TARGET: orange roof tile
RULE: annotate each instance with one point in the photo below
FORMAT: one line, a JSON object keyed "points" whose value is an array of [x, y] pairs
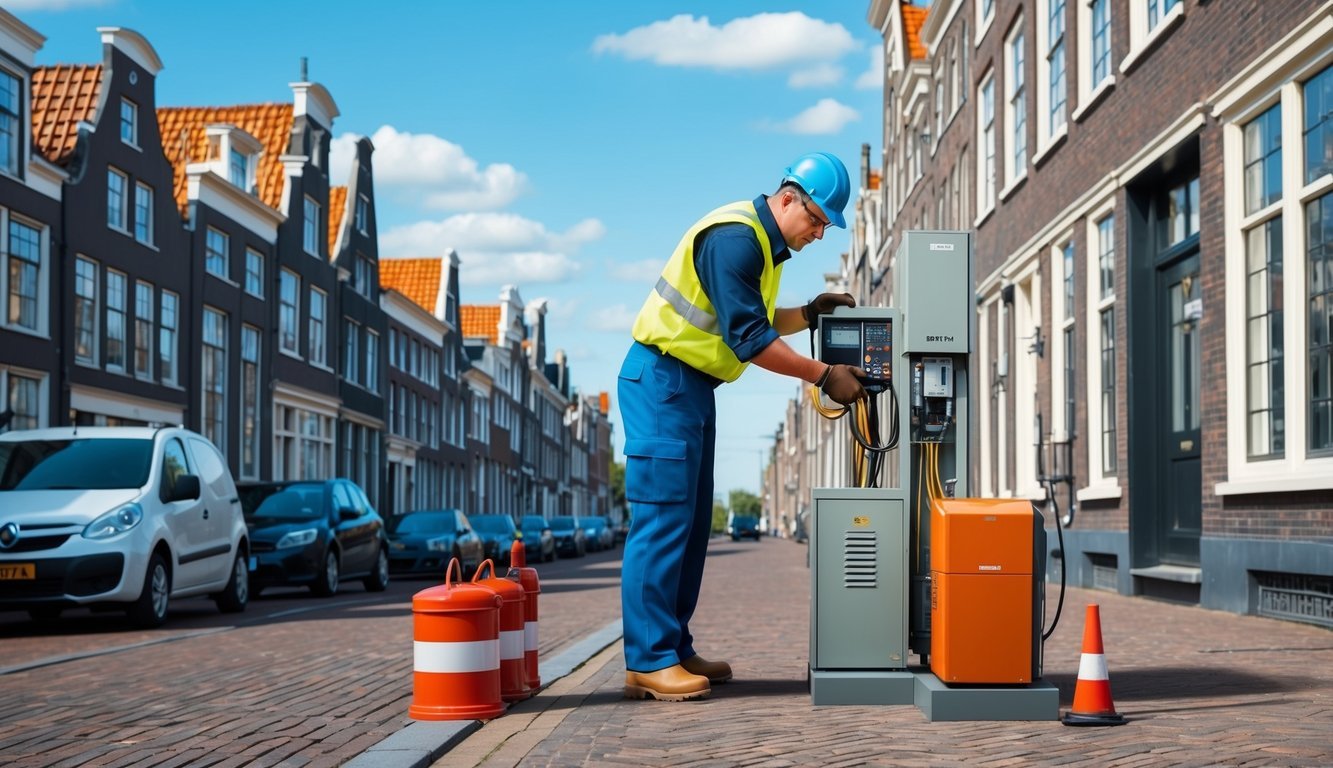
{"points": [[62, 96], [874, 180], [184, 141], [417, 279], [480, 321], [337, 210], [913, 19]]}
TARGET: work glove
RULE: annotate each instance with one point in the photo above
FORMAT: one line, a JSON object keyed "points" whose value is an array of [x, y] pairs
{"points": [[841, 384], [824, 304]]}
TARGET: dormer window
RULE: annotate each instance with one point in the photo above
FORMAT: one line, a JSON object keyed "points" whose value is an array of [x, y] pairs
{"points": [[233, 154]]}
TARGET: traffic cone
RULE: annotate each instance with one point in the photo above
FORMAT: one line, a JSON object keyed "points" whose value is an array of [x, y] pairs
{"points": [[1092, 693]]}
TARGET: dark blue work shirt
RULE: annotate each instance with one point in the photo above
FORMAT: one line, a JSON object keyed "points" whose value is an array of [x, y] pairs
{"points": [[729, 262]]}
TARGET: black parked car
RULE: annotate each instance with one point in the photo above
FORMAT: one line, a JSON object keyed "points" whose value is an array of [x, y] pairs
{"points": [[313, 533], [570, 540], [423, 542], [498, 533], [744, 527], [538, 541]]}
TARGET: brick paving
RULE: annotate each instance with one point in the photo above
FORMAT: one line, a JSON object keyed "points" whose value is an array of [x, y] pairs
{"points": [[1199, 688]]}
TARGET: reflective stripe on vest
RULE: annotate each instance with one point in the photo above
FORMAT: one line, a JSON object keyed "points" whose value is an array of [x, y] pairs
{"points": [[678, 318]]}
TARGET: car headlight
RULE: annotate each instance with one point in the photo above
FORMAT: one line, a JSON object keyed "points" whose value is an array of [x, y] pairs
{"points": [[115, 522], [438, 545], [295, 539]]}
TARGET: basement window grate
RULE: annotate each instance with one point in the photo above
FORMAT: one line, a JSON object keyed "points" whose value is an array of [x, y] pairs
{"points": [[1296, 597], [860, 559], [1105, 572]]}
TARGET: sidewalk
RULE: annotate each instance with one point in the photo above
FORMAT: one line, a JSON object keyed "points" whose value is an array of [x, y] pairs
{"points": [[1198, 688]]}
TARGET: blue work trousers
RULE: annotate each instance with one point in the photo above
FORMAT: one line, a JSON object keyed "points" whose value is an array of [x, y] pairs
{"points": [[670, 428]]}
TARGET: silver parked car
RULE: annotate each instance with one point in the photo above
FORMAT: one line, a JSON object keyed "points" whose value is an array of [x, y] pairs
{"points": [[126, 516]]}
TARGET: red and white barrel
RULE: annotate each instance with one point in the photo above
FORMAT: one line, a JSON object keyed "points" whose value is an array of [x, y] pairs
{"points": [[456, 652], [527, 577], [513, 683]]}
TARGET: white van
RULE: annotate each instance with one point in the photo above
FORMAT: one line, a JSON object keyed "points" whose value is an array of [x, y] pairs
{"points": [[122, 516]]}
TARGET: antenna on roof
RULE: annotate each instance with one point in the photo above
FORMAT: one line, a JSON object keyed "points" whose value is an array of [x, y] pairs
{"points": [[304, 77]]}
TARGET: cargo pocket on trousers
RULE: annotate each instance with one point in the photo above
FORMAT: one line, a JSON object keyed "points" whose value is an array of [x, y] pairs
{"points": [[655, 471]]}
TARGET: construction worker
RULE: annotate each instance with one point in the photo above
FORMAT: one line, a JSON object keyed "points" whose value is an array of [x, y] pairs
{"points": [[713, 311]]}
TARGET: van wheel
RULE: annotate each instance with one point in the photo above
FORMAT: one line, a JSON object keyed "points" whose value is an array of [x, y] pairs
{"points": [[326, 583], [233, 597], [150, 610], [378, 580]]}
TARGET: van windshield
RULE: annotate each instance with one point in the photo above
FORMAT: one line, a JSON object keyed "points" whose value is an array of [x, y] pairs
{"points": [[77, 464]]}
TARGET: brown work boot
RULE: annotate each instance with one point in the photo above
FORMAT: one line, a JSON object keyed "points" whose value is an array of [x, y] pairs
{"points": [[715, 671], [670, 684]]}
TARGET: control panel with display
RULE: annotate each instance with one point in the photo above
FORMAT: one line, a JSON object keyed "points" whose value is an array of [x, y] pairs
{"points": [[866, 343]]}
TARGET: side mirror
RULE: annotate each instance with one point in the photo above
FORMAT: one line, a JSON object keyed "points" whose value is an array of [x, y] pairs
{"points": [[186, 488], [347, 513]]}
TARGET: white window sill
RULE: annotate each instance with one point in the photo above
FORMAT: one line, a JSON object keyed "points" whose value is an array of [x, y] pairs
{"points": [[1091, 100], [291, 354], [981, 217], [983, 28], [36, 333], [1276, 484], [1054, 141], [1013, 186], [1098, 493], [150, 246], [1173, 19], [222, 279]]}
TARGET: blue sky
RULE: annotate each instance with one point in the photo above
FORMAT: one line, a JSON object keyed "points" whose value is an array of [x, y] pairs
{"points": [[559, 146]]}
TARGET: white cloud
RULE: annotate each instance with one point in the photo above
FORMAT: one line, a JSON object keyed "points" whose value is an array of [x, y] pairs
{"points": [[427, 171], [762, 41], [828, 116], [614, 318], [496, 248], [873, 77], [817, 76], [645, 271]]}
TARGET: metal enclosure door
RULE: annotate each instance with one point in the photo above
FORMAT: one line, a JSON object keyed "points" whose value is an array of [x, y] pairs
{"points": [[1179, 475], [860, 570]]}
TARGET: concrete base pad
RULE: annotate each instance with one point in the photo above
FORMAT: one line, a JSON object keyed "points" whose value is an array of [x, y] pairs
{"points": [[937, 701]]}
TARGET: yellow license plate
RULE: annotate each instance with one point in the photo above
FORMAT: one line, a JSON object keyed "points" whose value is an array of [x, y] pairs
{"points": [[14, 571]]}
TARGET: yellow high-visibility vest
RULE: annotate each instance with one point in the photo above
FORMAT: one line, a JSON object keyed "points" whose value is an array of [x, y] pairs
{"points": [[678, 318]]}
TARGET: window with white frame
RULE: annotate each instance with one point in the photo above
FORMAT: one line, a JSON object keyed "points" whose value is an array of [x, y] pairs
{"points": [[117, 209], [143, 330], [1149, 20], [954, 78], [1099, 29], [143, 213], [115, 320], [316, 326], [25, 275], [351, 351], [238, 168], [1102, 370], [985, 17], [254, 272], [1051, 81], [250, 347], [302, 443], [1016, 116], [986, 144], [168, 336], [85, 310], [1158, 9], [217, 245], [1063, 396], [129, 122], [213, 361], [372, 361], [310, 227], [24, 395], [364, 277], [361, 218], [13, 118], [289, 311]]}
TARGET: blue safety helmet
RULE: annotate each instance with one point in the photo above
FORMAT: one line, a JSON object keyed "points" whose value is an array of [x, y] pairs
{"points": [[824, 178]]}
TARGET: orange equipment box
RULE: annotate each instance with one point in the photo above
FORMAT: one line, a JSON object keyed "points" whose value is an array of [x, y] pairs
{"points": [[982, 595]]}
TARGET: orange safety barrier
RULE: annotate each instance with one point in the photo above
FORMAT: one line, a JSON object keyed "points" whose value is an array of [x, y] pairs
{"points": [[1092, 693], [526, 576], [513, 683], [456, 651]]}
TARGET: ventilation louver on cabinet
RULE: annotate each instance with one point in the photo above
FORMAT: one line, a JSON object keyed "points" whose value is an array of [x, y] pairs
{"points": [[860, 555]]}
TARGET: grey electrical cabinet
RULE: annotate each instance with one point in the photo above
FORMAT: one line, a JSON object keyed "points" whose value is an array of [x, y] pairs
{"points": [[859, 579], [936, 266]]}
